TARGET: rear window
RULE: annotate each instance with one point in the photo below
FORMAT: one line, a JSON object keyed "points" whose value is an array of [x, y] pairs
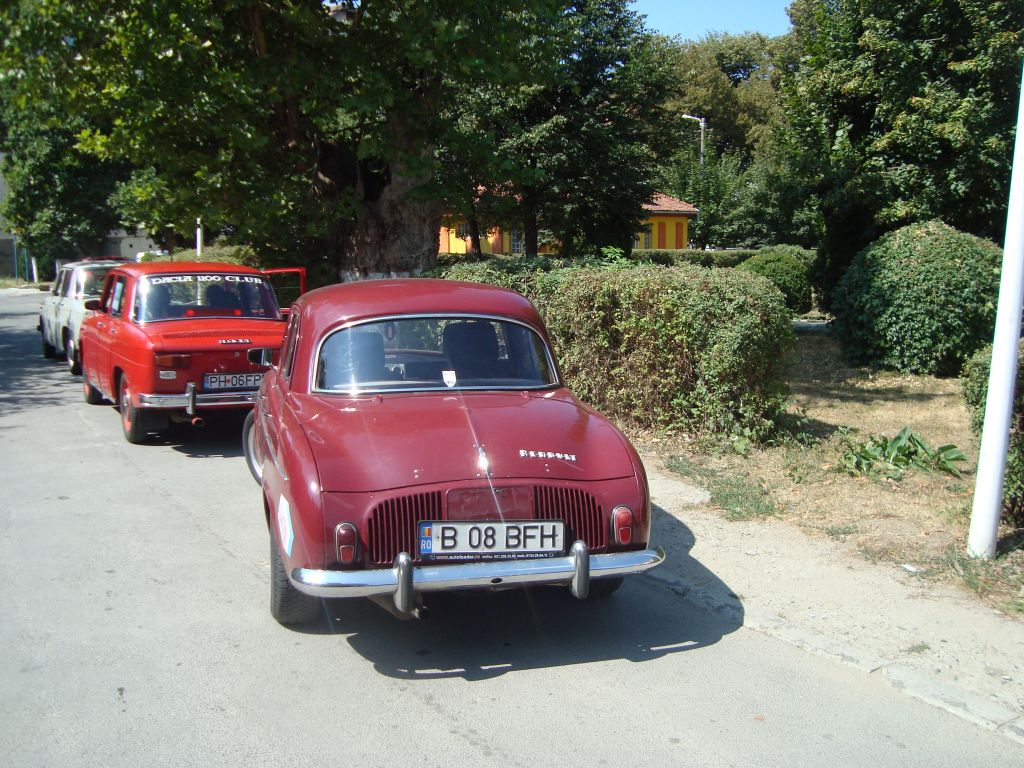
{"points": [[429, 353], [199, 295]]}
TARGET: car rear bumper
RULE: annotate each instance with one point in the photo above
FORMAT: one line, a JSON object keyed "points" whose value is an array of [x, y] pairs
{"points": [[404, 580], [190, 400]]}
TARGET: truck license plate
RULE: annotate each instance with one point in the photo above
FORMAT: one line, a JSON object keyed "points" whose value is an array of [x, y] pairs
{"points": [[491, 540], [232, 381]]}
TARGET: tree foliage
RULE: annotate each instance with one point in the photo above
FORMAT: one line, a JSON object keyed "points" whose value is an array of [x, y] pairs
{"points": [[300, 129], [902, 112], [577, 151]]}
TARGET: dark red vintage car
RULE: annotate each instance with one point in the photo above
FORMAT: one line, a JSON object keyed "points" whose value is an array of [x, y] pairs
{"points": [[417, 436], [170, 340]]}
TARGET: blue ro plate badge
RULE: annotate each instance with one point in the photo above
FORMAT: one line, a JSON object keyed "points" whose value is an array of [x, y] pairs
{"points": [[490, 540]]}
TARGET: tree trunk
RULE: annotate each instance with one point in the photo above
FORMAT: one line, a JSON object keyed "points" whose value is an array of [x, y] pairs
{"points": [[474, 234], [530, 222], [396, 231]]}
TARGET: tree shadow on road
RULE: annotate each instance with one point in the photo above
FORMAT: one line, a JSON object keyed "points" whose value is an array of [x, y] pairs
{"points": [[480, 635]]}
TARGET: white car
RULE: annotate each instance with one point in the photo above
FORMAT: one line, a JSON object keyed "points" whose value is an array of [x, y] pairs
{"points": [[61, 313]]}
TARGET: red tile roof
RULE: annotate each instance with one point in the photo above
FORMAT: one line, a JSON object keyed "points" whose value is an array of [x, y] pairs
{"points": [[665, 204]]}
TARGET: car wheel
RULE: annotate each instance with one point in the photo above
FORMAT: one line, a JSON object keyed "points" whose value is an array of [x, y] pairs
{"points": [[49, 351], [287, 604], [249, 446], [74, 363], [132, 418], [604, 587], [92, 395]]}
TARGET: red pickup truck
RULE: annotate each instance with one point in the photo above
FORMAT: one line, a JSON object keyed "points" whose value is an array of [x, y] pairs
{"points": [[170, 340]]}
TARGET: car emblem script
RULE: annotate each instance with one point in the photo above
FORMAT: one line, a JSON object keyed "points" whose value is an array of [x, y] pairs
{"points": [[546, 455], [235, 341]]}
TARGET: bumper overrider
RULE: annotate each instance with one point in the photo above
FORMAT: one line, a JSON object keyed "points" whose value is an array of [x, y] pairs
{"points": [[190, 400], [404, 580]]}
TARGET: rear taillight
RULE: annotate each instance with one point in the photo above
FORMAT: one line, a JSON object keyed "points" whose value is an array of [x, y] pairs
{"points": [[172, 361], [346, 540], [622, 525]]}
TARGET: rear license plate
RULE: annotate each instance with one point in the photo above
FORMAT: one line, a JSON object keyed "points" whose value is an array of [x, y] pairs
{"points": [[496, 540], [232, 381]]}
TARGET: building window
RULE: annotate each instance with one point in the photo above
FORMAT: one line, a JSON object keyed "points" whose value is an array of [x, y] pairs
{"points": [[462, 231], [643, 239], [517, 241]]}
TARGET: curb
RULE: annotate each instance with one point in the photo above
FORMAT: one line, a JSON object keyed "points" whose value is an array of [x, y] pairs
{"points": [[955, 700]]}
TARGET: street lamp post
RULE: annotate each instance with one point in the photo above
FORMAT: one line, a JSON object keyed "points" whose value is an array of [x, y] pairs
{"points": [[702, 122]]}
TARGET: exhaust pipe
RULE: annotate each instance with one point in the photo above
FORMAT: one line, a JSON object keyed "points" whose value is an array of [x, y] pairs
{"points": [[198, 421]]}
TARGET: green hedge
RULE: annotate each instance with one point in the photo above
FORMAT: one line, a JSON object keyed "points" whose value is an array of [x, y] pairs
{"points": [[920, 299], [702, 350], [974, 384], [231, 254], [678, 257], [789, 269]]}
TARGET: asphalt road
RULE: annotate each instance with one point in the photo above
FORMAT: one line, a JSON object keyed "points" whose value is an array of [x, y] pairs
{"points": [[136, 632]]}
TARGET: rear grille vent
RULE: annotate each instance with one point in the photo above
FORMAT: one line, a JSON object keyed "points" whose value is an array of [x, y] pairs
{"points": [[579, 510], [394, 522], [393, 525]]}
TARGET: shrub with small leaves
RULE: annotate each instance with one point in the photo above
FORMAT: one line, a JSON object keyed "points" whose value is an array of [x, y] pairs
{"points": [[974, 385], [788, 268], [920, 299]]}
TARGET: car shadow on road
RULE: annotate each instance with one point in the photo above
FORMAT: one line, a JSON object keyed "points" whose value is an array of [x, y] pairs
{"points": [[27, 379], [220, 437], [478, 636]]}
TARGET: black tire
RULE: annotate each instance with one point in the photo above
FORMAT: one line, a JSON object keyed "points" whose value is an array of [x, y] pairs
{"points": [[71, 356], [133, 421], [249, 447], [92, 395], [289, 606], [604, 587], [49, 351]]}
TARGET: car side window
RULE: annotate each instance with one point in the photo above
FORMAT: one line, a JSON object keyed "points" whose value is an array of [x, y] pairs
{"points": [[60, 283], [115, 305], [290, 343], [67, 286]]}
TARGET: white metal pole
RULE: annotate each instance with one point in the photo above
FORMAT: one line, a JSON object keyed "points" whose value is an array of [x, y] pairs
{"points": [[199, 238], [995, 435]]}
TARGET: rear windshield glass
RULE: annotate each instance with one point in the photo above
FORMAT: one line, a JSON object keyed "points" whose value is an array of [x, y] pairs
{"points": [[427, 353], [90, 282], [170, 297]]}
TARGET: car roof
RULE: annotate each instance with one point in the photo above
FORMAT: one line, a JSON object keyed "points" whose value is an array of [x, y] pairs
{"points": [[94, 264], [175, 267], [326, 308]]}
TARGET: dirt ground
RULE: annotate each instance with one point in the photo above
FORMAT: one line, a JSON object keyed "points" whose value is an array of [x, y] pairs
{"points": [[918, 521]]}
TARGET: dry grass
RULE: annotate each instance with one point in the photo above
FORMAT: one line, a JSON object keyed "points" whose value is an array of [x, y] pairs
{"points": [[920, 520]]}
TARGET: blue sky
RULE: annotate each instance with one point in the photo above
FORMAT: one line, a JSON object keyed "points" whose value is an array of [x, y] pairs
{"points": [[693, 19]]}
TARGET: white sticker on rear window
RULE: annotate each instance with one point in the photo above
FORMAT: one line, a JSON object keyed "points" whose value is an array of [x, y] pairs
{"points": [[449, 378]]}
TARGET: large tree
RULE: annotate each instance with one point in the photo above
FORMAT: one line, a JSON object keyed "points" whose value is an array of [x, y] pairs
{"points": [[302, 128], [575, 151], [904, 111]]}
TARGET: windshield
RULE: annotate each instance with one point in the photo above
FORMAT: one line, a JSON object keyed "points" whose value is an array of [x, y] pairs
{"points": [[90, 282], [170, 297], [429, 353]]}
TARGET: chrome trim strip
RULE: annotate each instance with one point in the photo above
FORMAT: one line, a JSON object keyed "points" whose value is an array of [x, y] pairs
{"points": [[190, 401], [436, 578]]}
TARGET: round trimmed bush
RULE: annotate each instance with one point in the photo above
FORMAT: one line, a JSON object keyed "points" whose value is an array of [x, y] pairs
{"points": [[974, 384], [920, 299], [788, 267]]}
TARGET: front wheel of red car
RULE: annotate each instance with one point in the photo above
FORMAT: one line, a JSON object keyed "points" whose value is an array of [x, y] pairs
{"points": [[287, 604], [249, 446], [132, 418]]}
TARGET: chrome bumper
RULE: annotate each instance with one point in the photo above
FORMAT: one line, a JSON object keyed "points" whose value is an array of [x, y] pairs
{"points": [[190, 400], [404, 579]]}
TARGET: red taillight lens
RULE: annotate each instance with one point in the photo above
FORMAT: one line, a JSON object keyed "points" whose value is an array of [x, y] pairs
{"points": [[172, 361], [346, 539], [622, 525]]}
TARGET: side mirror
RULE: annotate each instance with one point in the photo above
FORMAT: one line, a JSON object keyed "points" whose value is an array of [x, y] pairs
{"points": [[92, 305], [262, 356]]}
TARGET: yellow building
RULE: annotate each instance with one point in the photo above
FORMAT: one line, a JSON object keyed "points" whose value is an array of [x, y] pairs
{"points": [[666, 226]]}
